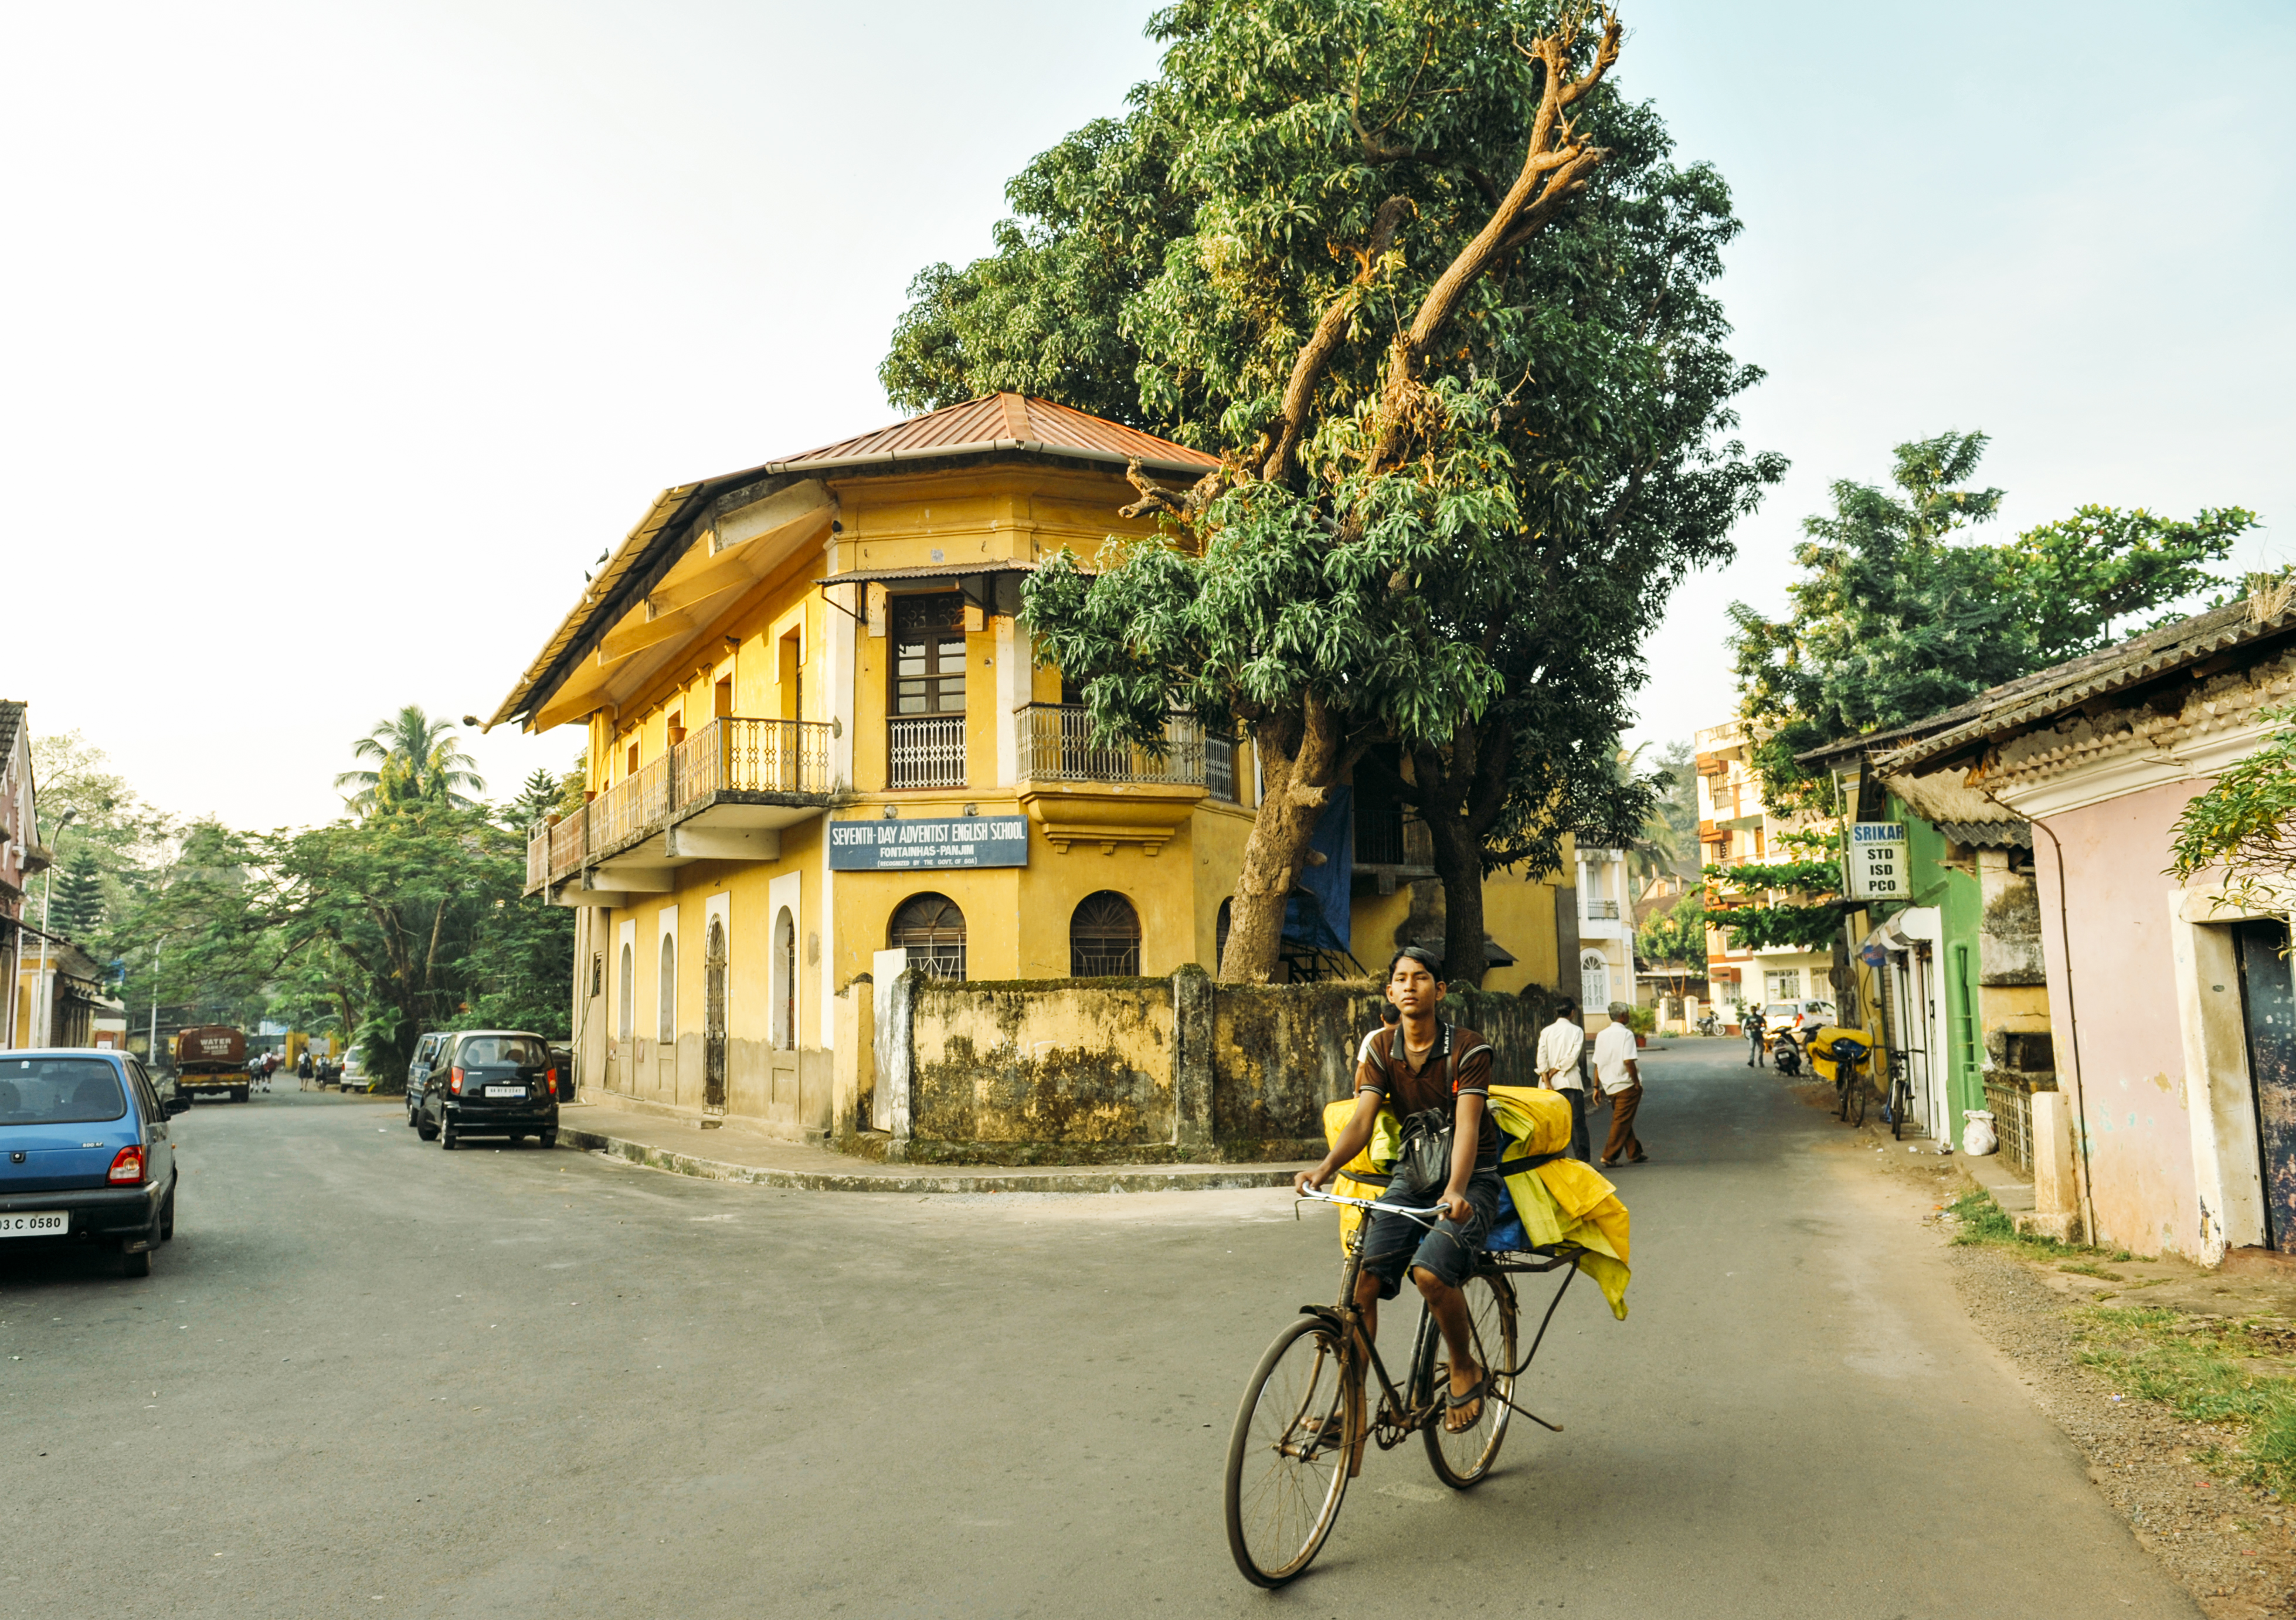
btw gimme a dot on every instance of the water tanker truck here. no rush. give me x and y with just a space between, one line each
211 1058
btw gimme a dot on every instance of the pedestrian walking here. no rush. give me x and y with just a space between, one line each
1619 1071
303 1071
1561 1068
1755 1029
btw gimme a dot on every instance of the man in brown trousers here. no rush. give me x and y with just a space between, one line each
1619 1072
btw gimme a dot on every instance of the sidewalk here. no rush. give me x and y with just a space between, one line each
736 1152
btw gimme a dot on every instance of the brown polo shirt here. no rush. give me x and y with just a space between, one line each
1458 1065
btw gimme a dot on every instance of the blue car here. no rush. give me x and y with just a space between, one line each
84 1154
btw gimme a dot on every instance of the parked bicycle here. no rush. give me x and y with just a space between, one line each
1300 1434
1900 1106
1849 1057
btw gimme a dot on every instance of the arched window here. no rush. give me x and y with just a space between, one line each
1593 980
713 1017
668 1003
628 1023
1104 938
932 929
786 981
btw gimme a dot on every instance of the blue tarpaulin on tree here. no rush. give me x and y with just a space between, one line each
1319 920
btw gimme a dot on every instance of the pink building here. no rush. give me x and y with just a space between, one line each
2173 1007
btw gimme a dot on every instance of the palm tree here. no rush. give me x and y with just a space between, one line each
415 762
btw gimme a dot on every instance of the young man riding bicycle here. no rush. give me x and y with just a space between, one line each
1436 1077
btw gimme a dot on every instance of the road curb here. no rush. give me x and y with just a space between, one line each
1112 1178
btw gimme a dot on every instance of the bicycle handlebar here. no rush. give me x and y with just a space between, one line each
1321 1196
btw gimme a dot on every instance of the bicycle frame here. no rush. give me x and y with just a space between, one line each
1400 1415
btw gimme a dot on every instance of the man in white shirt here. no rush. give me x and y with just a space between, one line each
1619 1073
1562 1047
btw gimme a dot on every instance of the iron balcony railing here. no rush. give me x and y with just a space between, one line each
925 751
730 756
1602 910
1058 744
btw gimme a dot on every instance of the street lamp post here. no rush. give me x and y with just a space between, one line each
47 1007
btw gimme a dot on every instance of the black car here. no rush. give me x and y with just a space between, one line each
490 1083
428 1051
85 1154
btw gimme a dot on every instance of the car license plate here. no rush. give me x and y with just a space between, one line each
505 1091
36 1224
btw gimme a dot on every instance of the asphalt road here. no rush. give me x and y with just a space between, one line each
369 1377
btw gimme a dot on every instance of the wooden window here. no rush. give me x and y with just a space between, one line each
1104 938
665 1023
932 930
927 655
722 700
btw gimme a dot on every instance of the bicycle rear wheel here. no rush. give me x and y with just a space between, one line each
1901 1099
1854 1091
1464 1458
1287 1457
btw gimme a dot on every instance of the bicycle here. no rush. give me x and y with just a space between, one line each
1299 1432
1848 1062
1901 1094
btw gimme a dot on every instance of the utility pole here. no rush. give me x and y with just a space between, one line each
151 1041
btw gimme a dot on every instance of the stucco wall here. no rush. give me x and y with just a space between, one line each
1099 1070
1081 1067
2124 1058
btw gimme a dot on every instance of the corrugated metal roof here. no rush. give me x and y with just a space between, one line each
1001 422
1989 835
2021 705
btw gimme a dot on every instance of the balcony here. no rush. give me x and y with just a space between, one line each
925 751
1083 788
723 793
1599 910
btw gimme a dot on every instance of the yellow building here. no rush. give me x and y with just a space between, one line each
815 734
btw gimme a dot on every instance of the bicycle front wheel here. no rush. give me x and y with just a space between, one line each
1853 1101
1287 1457
1464 1458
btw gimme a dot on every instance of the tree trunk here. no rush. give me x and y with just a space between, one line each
1459 863
1301 757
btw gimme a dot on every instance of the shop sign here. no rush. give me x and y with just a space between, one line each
1875 855
920 846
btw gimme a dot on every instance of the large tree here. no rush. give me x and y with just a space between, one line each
1898 615
1430 288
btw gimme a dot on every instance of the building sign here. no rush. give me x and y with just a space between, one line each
1875 853
969 840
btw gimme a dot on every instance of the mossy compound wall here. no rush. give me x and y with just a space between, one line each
1079 1069
1113 1071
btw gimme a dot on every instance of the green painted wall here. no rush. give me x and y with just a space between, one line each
1954 891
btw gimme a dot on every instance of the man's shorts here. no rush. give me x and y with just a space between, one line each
1394 1242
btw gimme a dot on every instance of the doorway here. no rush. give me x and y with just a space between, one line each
2267 1008
713 1019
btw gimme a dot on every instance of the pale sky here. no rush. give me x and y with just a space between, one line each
342 338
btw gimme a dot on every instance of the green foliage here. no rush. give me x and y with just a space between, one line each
1444 523
419 910
1643 1020
1897 618
1677 936
77 905
2242 823
415 763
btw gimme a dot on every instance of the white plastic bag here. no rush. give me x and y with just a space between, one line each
1978 1136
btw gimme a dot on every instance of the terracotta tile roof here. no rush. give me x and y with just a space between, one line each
1009 423
1003 421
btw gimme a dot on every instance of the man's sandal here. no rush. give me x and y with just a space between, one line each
1476 1393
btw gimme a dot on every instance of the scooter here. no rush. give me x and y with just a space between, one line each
1785 1055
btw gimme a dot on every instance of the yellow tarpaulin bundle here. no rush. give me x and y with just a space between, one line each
1562 1201
1820 1048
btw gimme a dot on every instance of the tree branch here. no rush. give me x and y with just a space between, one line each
1315 355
